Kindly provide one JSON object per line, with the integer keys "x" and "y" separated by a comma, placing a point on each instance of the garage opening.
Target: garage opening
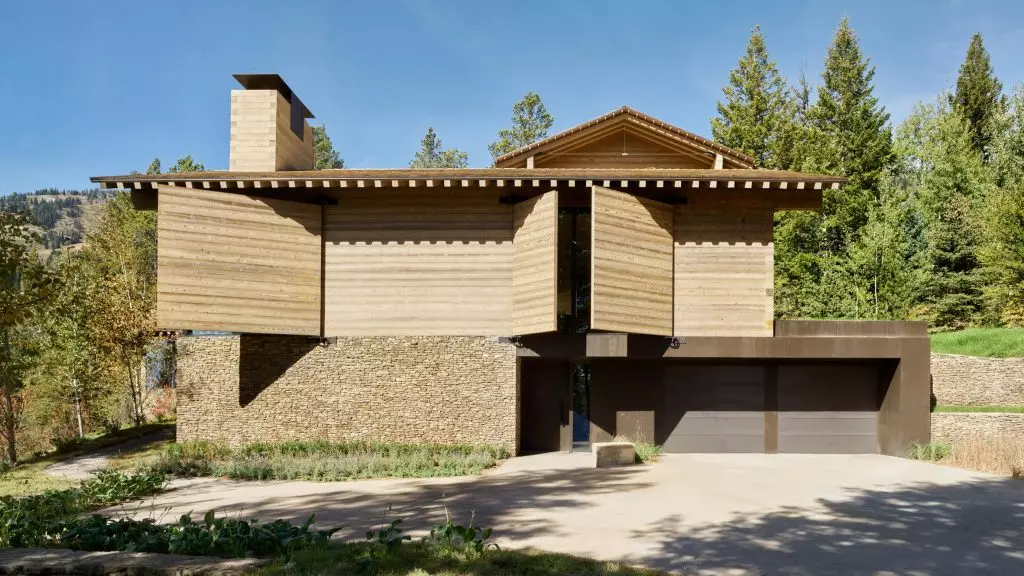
{"x": 823, "y": 407}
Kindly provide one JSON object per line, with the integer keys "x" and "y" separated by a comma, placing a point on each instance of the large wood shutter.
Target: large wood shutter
{"x": 535, "y": 265}
{"x": 631, "y": 272}
{"x": 236, "y": 263}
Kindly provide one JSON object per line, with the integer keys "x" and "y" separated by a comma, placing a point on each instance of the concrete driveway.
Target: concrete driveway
{"x": 699, "y": 513}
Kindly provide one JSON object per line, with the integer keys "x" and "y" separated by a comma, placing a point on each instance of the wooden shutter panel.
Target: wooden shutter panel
{"x": 535, "y": 265}
{"x": 236, "y": 263}
{"x": 631, "y": 271}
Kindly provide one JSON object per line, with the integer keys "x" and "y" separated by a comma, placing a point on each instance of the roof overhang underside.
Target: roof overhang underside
{"x": 479, "y": 177}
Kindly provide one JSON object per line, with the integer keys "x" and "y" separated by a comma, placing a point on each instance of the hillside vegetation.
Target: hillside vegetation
{"x": 61, "y": 216}
{"x": 991, "y": 342}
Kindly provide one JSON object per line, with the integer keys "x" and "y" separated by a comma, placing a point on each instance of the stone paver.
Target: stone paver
{"x": 700, "y": 513}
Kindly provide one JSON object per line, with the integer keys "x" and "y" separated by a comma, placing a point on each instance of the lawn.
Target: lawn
{"x": 990, "y": 342}
{"x": 320, "y": 460}
{"x": 1014, "y": 409}
{"x": 416, "y": 559}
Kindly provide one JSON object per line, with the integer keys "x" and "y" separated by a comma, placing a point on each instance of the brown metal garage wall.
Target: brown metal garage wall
{"x": 741, "y": 407}
{"x": 828, "y": 408}
{"x": 544, "y": 407}
{"x": 713, "y": 408}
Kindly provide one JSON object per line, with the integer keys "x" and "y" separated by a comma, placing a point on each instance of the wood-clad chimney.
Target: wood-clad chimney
{"x": 269, "y": 131}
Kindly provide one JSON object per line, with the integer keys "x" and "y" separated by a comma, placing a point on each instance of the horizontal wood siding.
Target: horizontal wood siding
{"x": 631, "y": 265}
{"x": 234, "y": 263}
{"x": 723, "y": 271}
{"x": 414, "y": 262}
{"x": 292, "y": 152}
{"x": 253, "y": 130}
{"x": 535, "y": 265}
{"x": 622, "y": 149}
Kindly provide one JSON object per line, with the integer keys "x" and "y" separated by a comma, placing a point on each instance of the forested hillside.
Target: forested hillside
{"x": 61, "y": 215}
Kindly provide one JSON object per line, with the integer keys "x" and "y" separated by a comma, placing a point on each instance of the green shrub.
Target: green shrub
{"x": 647, "y": 452}
{"x": 30, "y": 520}
{"x": 931, "y": 451}
{"x": 326, "y": 461}
{"x": 227, "y": 537}
{"x": 456, "y": 538}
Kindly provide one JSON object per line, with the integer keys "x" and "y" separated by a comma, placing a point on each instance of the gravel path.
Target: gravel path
{"x": 83, "y": 466}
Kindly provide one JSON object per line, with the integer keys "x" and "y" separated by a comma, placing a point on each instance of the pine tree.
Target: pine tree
{"x": 1008, "y": 147}
{"x": 758, "y": 114}
{"x": 530, "y": 122}
{"x": 852, "y": 138}
{"x": 154, "y": 167}
{"x": 324, "y": 155}
{"x": 954, "y": 185}
{"x": 185, "y": 164}
{"x": 1003, "y": 255}
{"x": 978, "y": 95}
{"x": 433, "y": 155}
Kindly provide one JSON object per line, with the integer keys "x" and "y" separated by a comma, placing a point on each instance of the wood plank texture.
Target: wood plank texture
{"x": 724, "y": 267}
{"x": 535, "y": 265}
{"x": 631, "y": 268}
{"x": 415, "y": 262}
{"x": 622, "y": 149}
{"x": 235, "y": 263}
{"x": 261, "y": 134}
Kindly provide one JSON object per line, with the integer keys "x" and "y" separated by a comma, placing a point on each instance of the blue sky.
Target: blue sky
{"x": 102, "y": 87}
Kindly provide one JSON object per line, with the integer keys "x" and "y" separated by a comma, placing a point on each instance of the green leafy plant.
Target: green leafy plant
{"x": 226, "y": 537}
{"x": 32, "y": 520}
{"x": 931, "y": 451}
{"x": 647, "y": 452}
{"x": 388, "y": 536}
{"x": 452, "y": 537}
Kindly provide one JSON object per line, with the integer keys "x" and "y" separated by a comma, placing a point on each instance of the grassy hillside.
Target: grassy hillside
{"x": 991, "y": 342}
{"x": 61, "y": 215}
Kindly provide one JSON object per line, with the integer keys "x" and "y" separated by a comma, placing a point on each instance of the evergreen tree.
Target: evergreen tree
{"x": 978, "y": 95}
{"x": 324, "y": 155}
{"x": 1003, "y": 255}
{"x": 433, "y": 155}
{"x": 154, "y": 167}
{"x": 185, "y": 164}
{"x": 530, "y": 122}
{"x": 1008, "y": 148}
{"x": 851, "y": 137}
{"x": 954, "y": 184}
{"x": 758, "y": 114}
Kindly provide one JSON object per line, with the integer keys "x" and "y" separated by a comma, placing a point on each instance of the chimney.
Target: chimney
{"x": 269, "y": 131}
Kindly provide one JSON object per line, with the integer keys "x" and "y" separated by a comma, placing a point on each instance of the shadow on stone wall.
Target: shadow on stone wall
{"x": 264, "y": 359}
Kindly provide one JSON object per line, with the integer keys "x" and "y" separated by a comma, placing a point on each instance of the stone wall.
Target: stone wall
{"x": 242, "y": 389}
{"x": 973, "y": 381}
{"x": 953, "y": 426}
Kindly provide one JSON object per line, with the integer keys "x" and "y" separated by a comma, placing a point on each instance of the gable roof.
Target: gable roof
{"x": 640, "y": 121}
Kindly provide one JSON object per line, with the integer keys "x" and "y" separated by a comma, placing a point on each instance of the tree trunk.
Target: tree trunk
{"x": 10, "y": 426}
{"x": 78, "y": 415}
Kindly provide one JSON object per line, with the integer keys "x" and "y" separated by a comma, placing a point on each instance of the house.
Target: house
{"x": 615, "y": 279}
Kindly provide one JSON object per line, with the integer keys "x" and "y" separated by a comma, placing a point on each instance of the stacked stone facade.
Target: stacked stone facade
{"x": 974, "y": 381}
{"x": 955, "y": 426}
{"x": 243, "y": 389}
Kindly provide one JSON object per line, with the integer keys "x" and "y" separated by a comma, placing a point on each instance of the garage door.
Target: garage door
{"x": 828, "y": 409}
{"x": 713, "y": 409}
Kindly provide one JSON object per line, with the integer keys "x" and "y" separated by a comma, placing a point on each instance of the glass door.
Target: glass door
{"x": 581, "y": 407}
